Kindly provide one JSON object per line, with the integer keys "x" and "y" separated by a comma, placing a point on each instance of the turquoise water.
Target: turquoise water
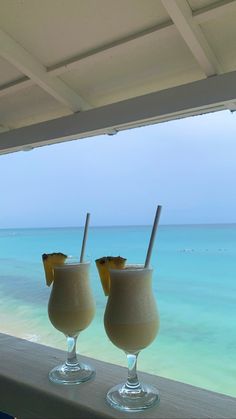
{"x": 194, "y": 284}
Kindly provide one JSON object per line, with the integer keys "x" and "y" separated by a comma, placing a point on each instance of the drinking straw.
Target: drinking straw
{"x": 153, "y": 235}
{"x": 85, "y": 237}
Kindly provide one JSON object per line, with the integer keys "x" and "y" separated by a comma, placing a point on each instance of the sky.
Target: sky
{"x": 187, "y": 165}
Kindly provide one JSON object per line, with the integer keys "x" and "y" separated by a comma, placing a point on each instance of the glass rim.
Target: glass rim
{"x": 132, "y": 267}
{"x": 72, "y": 264}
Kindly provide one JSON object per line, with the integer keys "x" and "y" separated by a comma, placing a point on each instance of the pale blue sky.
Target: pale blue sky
{"x": 188, "y": 166}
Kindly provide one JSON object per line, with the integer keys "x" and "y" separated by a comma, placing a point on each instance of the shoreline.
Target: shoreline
{"x": 148, "y": 362}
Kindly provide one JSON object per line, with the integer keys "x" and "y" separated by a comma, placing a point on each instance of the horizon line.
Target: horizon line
{"x": 119, "y": 226}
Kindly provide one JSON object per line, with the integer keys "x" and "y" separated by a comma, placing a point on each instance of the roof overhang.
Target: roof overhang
{"x": 212, "y": 94}
{"x": 136, "y": 64}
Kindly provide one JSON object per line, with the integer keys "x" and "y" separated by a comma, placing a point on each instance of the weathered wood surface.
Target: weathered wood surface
{"x": 26, "y": 392}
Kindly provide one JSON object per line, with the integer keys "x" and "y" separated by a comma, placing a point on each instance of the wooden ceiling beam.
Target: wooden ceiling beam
{"x": 200, "y": 16}
{"x": 74, "y": 62}
{"x": 181, "y": 15}
{"x": 206, "y": 95}
{"x": 29, "y": 66}
{"x": 214, "y": 11}
{"x": 15, "y": 85}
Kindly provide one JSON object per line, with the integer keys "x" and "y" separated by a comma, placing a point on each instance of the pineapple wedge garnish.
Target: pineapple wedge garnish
{"x": 106, "y": 263}
{"x": 49, "y": 261}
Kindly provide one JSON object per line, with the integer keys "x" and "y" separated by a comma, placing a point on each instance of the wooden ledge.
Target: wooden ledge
{"x": 26, "y": 392}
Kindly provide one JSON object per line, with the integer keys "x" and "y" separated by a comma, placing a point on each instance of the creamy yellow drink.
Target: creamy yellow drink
{"x": 71, "y": 308}
{"x": 131, "y": 321}
{"x": 131, "y": 318}
{"x": 71, "y": 305}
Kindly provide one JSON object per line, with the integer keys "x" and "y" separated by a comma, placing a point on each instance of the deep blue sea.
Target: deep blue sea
{"x": 194, "y": 284}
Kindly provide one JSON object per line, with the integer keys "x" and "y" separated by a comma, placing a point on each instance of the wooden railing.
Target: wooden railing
{"x": 26, "y": 392}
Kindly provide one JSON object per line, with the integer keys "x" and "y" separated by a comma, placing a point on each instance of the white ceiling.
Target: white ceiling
{"x": 60, "y": 57}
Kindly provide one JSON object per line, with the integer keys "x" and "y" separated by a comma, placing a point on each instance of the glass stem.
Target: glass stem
{"x": 132, "y": 381}
{"x": 71, "y": 351}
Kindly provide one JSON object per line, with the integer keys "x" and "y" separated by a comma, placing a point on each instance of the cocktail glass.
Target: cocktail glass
{"x": 71, "y": 309}
{"x": 131, "y": 322}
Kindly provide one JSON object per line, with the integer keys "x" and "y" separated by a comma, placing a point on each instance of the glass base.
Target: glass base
{"x": 68, "y": 375}
{"x": 133, "y": 400}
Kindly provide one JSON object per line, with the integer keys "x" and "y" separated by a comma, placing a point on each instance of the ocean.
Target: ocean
{"x": 194, "y": 283}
